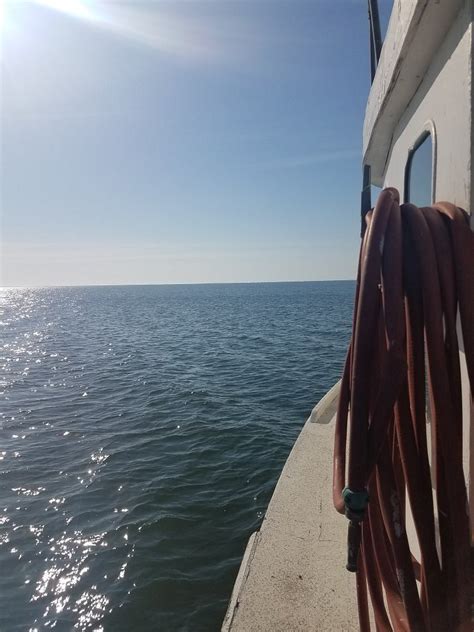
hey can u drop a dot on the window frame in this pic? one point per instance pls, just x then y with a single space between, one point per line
429 131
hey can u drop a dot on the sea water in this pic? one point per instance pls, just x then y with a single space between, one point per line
143 429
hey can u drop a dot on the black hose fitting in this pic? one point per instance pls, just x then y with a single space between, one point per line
356 505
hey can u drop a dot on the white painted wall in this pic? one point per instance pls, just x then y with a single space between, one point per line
442 104
415 35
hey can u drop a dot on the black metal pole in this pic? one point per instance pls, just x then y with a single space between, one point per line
373 63
375 35
365 198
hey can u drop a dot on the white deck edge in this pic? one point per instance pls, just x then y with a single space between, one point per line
325 409
290 565
240 581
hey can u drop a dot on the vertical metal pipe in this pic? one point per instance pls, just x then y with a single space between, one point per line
373 62
365 198
375 35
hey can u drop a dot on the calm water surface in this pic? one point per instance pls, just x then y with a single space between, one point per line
142 432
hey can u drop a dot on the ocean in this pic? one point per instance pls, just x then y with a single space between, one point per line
143 430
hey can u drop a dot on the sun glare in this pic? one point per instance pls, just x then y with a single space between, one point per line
2 15
162 28
81 9
76 8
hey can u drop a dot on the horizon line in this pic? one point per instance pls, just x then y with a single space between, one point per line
38 287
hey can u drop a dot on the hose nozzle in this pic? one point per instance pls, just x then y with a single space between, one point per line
353 545
356 505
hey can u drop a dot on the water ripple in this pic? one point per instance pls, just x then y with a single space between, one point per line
143 431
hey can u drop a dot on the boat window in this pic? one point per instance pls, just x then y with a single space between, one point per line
419 173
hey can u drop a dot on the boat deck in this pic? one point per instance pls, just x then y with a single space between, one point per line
293 575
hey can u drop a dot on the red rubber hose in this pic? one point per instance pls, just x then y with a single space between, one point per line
414 311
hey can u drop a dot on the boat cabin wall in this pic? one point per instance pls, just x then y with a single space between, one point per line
441 107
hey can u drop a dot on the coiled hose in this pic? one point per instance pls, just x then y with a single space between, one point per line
415 277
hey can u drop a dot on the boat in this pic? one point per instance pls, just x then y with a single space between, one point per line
417 138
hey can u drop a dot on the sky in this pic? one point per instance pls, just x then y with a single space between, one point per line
184 141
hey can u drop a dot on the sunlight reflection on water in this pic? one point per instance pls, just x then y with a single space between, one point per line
138 442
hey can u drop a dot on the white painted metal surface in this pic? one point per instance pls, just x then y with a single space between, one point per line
293 575
424 77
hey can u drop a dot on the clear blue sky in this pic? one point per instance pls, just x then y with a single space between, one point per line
184 141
